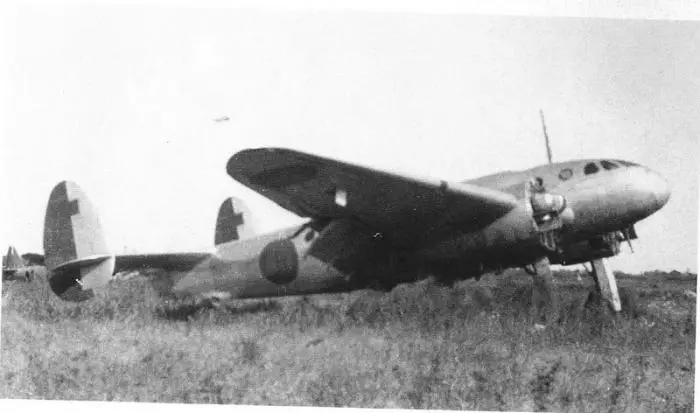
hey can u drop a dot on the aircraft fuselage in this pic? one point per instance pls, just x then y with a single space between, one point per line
603 200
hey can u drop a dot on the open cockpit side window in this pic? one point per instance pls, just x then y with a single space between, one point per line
608 165
625 163
590 168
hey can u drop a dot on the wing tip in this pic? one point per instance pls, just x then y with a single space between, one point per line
238 160
243 159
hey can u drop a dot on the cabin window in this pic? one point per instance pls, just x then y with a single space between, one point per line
608 165
590 168
566 174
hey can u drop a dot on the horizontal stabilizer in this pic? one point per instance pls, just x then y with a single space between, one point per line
176 261
76 280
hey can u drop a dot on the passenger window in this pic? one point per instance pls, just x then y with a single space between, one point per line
608 165
590 168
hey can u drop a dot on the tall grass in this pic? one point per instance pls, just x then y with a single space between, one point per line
474 346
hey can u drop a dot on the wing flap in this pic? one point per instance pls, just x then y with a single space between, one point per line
408 211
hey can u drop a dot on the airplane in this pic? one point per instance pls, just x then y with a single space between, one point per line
370 228
13 267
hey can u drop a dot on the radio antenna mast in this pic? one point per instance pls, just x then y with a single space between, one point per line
546 138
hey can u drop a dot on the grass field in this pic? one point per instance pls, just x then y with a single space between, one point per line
473 346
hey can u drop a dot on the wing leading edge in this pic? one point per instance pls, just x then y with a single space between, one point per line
408 211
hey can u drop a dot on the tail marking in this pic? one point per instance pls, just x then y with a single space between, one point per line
233 222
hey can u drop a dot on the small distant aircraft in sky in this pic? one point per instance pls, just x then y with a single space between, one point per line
13 266
370 228
222 119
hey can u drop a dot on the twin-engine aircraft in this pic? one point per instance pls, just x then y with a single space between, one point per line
370 228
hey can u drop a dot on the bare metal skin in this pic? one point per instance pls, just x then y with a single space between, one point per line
374 229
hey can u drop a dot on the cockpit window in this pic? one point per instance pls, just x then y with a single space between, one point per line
625 163
608 165
590 168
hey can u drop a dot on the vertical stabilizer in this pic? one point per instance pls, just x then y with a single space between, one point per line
76 252
234 222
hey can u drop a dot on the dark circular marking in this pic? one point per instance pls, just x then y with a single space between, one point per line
279 262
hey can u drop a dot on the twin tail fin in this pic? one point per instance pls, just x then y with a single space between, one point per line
234 222
76 253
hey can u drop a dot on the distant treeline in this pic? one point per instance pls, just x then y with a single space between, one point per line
669 275
574 272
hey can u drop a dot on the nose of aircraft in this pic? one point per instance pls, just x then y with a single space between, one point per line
660 188
653 191
621 198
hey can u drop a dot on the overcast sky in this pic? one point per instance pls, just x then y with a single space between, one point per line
122 101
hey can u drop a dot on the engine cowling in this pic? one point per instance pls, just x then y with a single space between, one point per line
547 203
550 211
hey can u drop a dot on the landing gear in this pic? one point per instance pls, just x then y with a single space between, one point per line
605 282
545 302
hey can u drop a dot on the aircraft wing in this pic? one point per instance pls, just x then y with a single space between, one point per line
407 211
